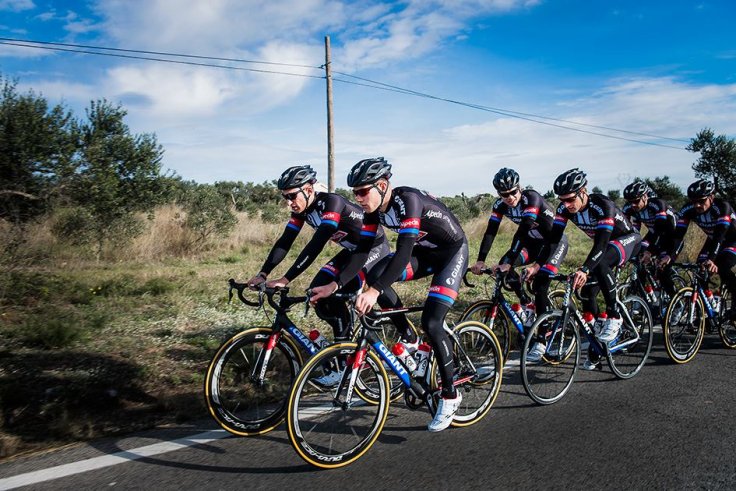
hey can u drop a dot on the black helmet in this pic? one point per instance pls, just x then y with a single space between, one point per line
636 190
570 181
297 176
506 180
369 171
700 189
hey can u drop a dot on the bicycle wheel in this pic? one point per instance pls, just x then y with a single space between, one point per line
629 351
683 332
235 398
548 380
478 371
331 427
727 329
501 325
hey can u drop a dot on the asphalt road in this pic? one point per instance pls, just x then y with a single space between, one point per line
670 427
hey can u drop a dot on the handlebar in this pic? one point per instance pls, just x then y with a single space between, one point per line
285 301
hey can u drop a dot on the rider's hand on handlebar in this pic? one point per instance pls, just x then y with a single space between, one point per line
646 257
320 292
478 267
256 280
531 271
366 300
579 279
280 283
710 266
663 261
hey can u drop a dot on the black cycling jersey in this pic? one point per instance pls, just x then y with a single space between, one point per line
533 216
659 218
718 223
601 220
333 218
420 219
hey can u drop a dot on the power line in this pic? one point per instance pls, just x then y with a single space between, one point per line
163 60
534 118
161 53
508 112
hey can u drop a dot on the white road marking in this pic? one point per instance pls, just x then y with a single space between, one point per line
65 470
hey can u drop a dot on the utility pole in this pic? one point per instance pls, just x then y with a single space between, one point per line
330 148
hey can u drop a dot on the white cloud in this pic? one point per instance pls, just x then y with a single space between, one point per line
16 5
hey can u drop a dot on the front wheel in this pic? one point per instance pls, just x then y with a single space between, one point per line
684 326
331 427
630 350
244 396
478 371
548 380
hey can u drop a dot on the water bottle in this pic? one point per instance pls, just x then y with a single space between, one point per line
717 301
589 319
400 351
530 314
422 359
318 339
518 311
651 297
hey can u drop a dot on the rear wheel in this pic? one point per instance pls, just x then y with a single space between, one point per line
501 325
684 326
628 353
548 380
478 371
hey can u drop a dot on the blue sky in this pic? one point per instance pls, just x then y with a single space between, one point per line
655 67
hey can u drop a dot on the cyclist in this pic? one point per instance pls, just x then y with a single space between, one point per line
716 217
615 241
333 218
530 244
430 242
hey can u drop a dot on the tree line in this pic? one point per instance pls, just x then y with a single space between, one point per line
99 178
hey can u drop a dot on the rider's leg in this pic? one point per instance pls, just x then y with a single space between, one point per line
390 300
726 262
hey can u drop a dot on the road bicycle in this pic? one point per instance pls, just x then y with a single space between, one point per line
333 427
691 313
548 380
248 379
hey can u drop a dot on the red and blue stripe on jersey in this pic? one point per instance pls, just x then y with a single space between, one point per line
442 293
605 224
369 230
331 218
410 226
295 224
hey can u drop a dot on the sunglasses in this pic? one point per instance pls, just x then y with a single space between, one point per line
363 192
635 201
508 194
570 199
290 196
700 201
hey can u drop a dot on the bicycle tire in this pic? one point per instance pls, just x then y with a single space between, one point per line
235 401
481 381
548 380
481 312
626 360
683 337
324 433
727 329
